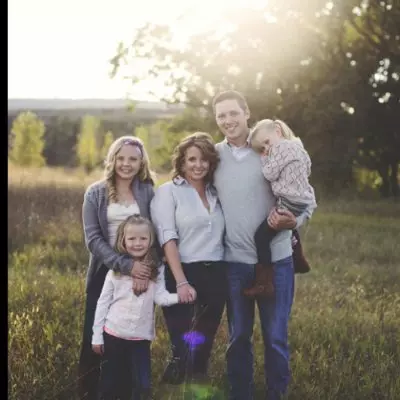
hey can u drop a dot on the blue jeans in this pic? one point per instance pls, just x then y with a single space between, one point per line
274 317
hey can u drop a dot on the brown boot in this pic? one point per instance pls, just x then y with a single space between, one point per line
300 263
263 283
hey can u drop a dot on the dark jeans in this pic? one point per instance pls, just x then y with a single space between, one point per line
192 327
263 236
274 317
125 369
89 361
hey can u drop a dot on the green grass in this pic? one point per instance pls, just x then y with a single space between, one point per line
344 330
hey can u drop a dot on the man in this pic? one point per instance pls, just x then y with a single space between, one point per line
246 200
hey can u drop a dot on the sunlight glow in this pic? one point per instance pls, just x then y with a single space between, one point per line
62 49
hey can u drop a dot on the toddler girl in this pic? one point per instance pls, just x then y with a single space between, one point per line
287 166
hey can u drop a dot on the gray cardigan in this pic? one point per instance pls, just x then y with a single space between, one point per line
95 227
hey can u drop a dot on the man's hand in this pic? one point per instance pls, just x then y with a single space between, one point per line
139 286
281 219
98 349
140 270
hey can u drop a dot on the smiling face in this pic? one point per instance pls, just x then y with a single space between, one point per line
137 239
232 119
127 162
195 166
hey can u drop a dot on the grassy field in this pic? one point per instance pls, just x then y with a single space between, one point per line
345 325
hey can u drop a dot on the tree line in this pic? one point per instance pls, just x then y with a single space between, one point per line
83 142
330 69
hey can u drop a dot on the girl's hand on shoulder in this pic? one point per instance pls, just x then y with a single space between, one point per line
98 349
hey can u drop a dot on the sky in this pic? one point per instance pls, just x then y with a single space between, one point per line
61 48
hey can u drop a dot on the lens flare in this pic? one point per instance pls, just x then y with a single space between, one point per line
193 339
203 392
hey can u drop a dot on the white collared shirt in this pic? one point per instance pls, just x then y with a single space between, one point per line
178 213
240 152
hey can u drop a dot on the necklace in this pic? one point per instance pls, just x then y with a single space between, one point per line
126 203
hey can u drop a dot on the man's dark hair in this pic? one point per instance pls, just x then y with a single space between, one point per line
230 95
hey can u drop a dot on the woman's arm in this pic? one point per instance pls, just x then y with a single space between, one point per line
163 215
162 297
99 247
156 244
174 261
186 292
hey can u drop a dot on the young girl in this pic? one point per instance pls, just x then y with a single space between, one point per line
124 323
287 166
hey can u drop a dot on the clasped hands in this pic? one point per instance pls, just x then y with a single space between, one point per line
141 274
186 293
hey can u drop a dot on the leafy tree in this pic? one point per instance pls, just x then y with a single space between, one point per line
60 140
330 69
28 143
107 141
161 137
87 150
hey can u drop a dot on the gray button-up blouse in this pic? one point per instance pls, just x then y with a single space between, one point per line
178 213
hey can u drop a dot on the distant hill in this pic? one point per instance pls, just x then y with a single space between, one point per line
88 104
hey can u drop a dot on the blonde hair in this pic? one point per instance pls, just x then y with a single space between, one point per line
144 174
270 124
205 143
151 258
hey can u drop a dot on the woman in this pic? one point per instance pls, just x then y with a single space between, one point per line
127 188
190 228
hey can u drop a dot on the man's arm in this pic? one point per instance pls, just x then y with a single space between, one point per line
284 219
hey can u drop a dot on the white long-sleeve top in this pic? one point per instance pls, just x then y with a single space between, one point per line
127 315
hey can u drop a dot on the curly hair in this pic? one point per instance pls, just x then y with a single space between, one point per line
205 143
144 174
151 259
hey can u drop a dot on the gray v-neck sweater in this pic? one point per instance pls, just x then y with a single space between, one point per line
246 199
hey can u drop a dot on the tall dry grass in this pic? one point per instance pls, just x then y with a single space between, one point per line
344 330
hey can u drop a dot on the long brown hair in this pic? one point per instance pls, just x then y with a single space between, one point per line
150 258
205 143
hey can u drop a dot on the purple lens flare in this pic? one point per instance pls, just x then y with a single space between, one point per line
193 339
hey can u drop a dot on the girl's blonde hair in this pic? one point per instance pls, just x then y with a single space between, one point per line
151 258
270 124
144 174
